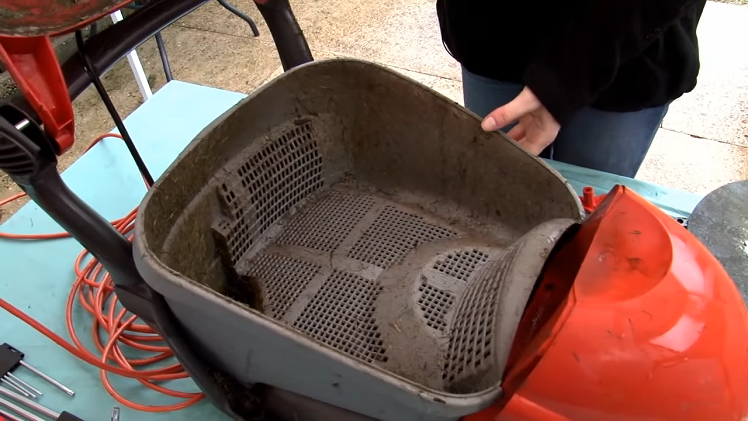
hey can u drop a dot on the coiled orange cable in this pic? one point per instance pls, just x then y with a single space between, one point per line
94 291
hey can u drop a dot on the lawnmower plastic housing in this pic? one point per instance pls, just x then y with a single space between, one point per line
352 236
634 320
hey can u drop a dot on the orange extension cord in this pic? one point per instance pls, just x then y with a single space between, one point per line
94 290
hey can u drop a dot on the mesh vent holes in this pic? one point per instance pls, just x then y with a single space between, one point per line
239 240
472 330
278 177
393 235
461 264
328 223
285 278
435 303
341 315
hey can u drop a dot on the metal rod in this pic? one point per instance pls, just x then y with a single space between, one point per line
47 378
164 57
14 387
9 417
18 386
22 125
30 404
231 8
115 414
112 110
26 385
20 411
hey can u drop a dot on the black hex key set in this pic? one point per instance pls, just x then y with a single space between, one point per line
17 396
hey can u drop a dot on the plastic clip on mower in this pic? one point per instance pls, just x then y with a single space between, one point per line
327 254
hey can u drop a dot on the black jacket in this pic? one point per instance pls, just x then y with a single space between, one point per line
614 55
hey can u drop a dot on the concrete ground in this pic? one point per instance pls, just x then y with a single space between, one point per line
703 142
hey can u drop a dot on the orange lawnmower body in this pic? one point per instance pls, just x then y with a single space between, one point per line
634 320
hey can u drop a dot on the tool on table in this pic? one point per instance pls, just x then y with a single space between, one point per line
9 384
4 416
10 359
18 410
115 413
48 379
14 378
28 403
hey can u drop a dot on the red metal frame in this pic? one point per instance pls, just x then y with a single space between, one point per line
33 64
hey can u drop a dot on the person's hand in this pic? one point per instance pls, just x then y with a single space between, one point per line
536 128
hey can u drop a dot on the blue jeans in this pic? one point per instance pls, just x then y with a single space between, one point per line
602 140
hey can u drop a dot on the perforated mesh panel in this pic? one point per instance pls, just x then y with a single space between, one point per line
285 278
393 235
237 232
471 336
341 314
272 181
461 264
327 224
435 303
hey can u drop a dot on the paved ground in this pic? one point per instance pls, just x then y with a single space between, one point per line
703 143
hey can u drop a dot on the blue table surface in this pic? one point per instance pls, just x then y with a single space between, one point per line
37 275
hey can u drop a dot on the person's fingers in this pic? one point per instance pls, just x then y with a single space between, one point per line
518 132
524 103
537 140
531 146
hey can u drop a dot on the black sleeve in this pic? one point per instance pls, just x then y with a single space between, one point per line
572 68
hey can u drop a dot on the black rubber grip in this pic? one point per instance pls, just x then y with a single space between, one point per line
17 153
9 359
67 416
